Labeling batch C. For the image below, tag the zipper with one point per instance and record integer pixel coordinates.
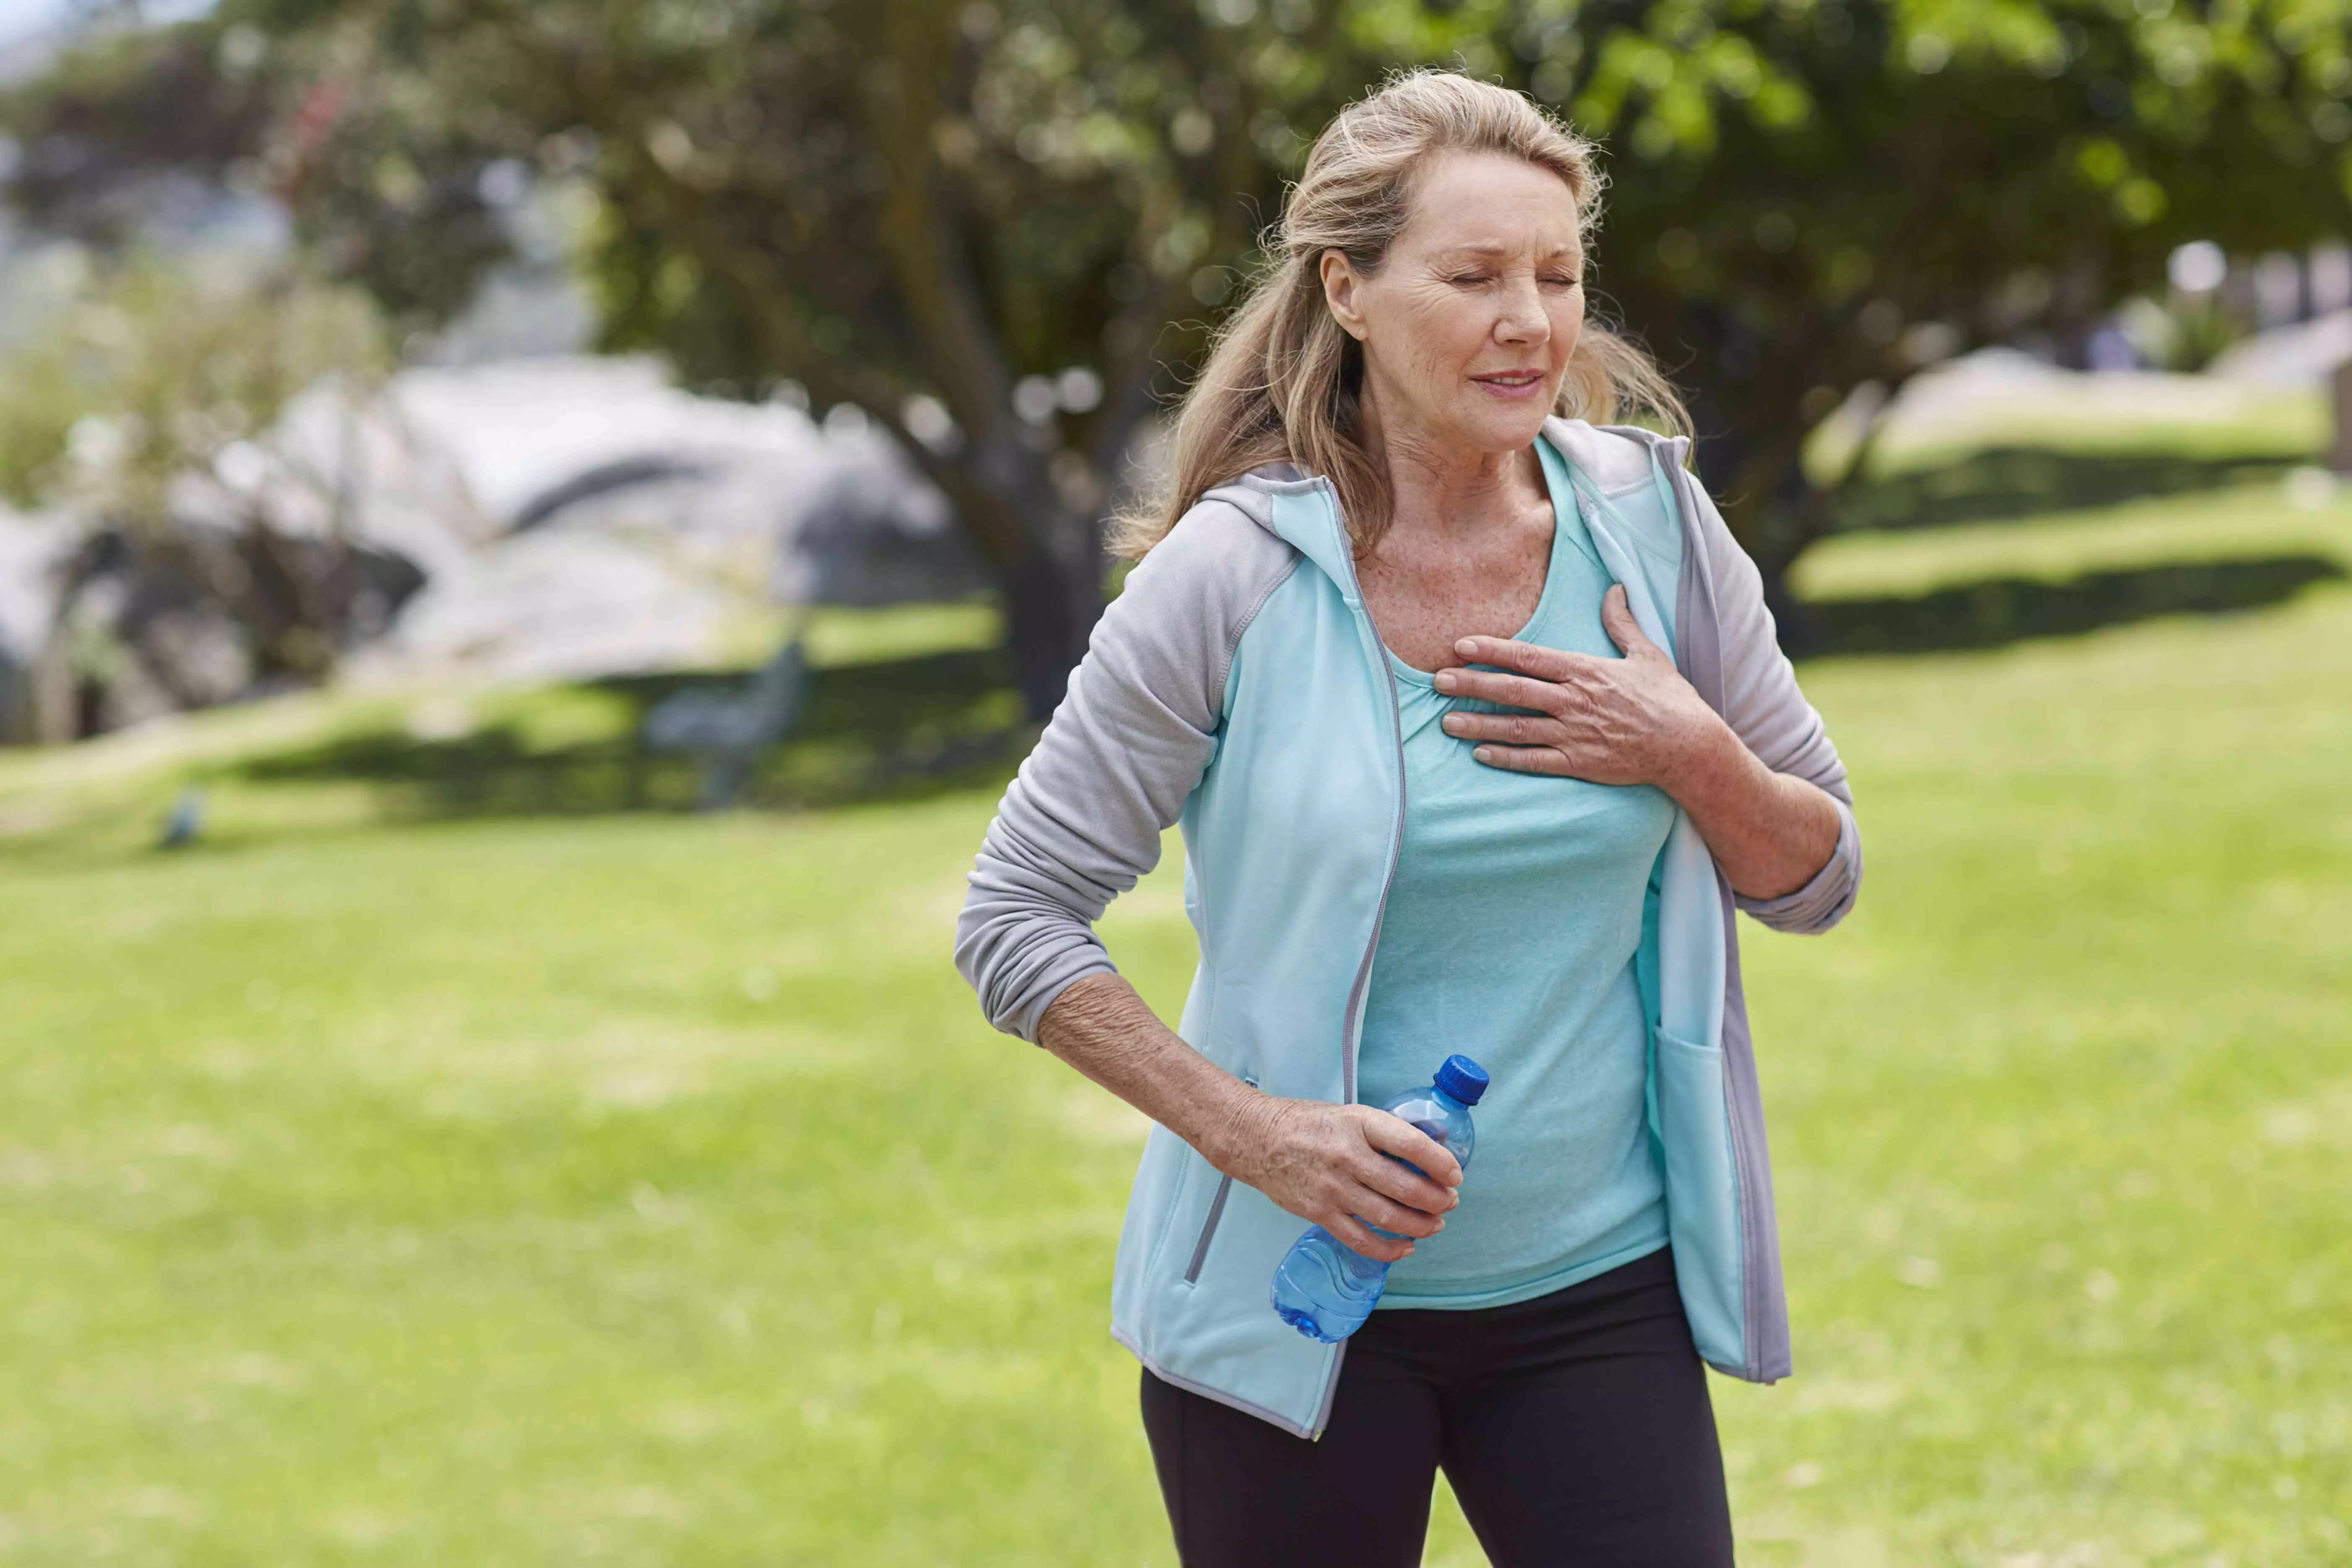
(1358, 994)
(1209, 1229)
(1216, 1215)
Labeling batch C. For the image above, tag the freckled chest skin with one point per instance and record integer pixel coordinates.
(1424, 589)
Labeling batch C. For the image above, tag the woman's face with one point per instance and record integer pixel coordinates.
(1468, 324)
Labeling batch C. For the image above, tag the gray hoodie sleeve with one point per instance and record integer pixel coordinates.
(1082, 820)
(1765, 708)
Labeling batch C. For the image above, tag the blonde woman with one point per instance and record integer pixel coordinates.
(1471, 711)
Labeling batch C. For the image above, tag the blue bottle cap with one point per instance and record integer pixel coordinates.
(1463, 1079)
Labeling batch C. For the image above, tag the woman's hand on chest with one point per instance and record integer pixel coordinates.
(1630, 720)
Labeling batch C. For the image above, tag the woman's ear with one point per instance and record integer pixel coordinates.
(1340, 284)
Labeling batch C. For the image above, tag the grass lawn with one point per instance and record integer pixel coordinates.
(535, 1187)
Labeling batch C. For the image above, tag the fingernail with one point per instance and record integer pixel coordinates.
(1483, 754)
(1465, 645)
(1444, 681)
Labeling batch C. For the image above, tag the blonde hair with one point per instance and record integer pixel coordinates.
(1283, 380)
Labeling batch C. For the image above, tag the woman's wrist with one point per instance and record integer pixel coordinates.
(1707, 760)
(1770, 833)
(1231, 1131)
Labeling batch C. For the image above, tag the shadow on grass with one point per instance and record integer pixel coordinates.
(891, 731)
(2009, 482)
(905, 729)
(2002, 610)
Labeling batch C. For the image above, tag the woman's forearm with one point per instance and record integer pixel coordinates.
(1770, 832)
(1101, 1027)
(1345, 1167)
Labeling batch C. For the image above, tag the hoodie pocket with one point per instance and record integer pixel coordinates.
(1216, 1213)
(1703, 1209)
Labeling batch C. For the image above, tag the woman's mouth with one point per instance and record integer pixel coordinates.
(1510, 382)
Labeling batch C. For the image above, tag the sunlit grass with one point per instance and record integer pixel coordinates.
(844, 636)
(2302, 510)
(645, 1188)
(2194, 418)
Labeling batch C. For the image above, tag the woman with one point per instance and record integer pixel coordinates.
(1473, 717)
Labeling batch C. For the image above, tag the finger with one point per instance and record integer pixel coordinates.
(1388, 1180)
(1531, 658)
(1353, 1234)
(1392, 1134)
(1617, 619)
(1512, 728)
(1376, 1207)
(1548, 760)
(1508, 691)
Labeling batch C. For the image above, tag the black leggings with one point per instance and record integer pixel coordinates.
(1575, 1428)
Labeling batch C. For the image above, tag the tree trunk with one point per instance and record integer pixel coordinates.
(1048, 566)
(1775, 513)
(1049, 609)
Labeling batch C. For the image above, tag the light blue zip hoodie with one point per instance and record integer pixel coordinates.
(1237, 685)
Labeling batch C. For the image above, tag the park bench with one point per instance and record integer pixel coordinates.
(727, 731)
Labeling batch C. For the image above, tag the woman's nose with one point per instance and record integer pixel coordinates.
(1523, 319)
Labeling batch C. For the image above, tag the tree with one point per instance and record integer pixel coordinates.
(994, 224)
(1809, 195)
(991, 226)
(147, 412)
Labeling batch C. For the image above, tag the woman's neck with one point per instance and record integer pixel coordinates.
(1442, 489)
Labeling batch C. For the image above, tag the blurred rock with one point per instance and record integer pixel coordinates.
(202, 652)
(2304, 355)
(831, 513)
(32, 551)
(633, 525)
(554, 519)
(553, 606)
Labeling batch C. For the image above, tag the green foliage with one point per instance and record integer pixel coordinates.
(917, 200)
(1813, 194)
(154, 375)
(109, 117)
(1807, 194)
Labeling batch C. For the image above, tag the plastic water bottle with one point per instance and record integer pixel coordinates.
(1324, 1288)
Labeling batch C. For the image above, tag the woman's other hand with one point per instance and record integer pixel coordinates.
(1630, 720)
(1327, 1163)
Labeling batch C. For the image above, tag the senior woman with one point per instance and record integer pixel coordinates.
(1472, 713)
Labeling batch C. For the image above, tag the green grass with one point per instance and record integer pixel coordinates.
(548, 1187)
(2252, 520)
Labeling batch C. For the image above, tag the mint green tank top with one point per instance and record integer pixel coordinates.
(1510, 935)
